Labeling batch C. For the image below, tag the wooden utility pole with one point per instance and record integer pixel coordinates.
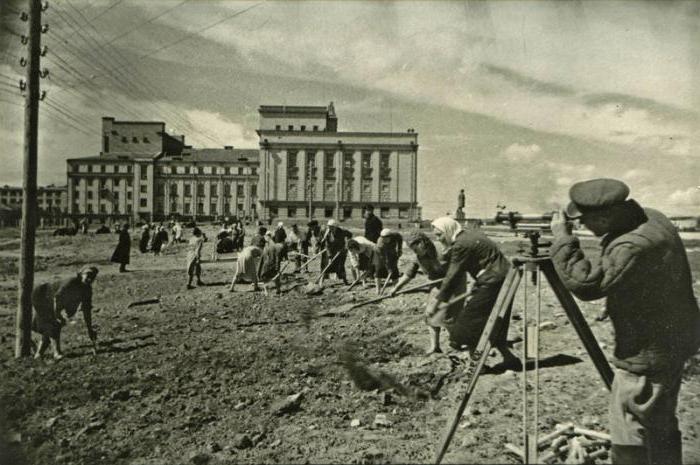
(23, 328)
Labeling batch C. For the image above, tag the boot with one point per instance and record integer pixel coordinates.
(629, 455)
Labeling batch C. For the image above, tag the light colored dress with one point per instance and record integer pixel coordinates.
(194, 255)
(247, 264)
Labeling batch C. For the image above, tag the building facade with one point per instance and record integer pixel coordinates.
(145, 174)
(51, 200)
(310, 169)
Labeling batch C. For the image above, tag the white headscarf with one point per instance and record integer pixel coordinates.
(448, 227)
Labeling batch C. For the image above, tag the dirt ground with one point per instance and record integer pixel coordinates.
(204, 375)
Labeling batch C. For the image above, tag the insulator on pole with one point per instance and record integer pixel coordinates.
(24, 39)
(45, 28)
(22, 84)
(44, 73)
(44, 51)
(24, 16)
(22, 62)
(43, 95)
(44, 6)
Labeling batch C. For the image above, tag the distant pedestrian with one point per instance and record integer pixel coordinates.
(123, 249)
(373, 225)
(145, 239)
(177, 232)
(280, 235)
(194, 258)
(159, 238)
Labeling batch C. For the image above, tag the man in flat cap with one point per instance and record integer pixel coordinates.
(645, 275)
(52, 300)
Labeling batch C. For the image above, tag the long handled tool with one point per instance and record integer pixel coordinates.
(383, 297)
(359, 278)
(312, 259)
(323, 272)
(386, 281)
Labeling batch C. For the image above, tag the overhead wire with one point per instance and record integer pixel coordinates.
(73, 23)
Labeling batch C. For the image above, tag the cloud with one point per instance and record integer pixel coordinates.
(689, 197)
(528, 83)
(519, 153)
(656, 110)
(221, 128)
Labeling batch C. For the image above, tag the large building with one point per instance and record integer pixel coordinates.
(51, 200)
(143, 174)
(305, 162)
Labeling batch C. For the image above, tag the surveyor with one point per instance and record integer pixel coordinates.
(473, 253)
(645, 275)
(55, 302)
(428, 260)
(373, 225)
(390, 245)
(123, 249)
(333, 241)
(366, 261)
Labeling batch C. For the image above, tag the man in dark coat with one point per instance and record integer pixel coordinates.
(333, 240)
(373, 225)
(280, 235)
(645, 275)
(145, 239)
(50, 300)
(123, 249)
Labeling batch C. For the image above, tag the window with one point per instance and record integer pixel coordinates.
(143, 189)
(227, 189)
(103, 183)
(328, 212)
(240, 209)
(187, 209)
(403, 213)
(128, 196)
(89, 168)
(315, 127)
(105, 144)
(173, 190)
(124, 139)
(347, 212)
(200, 189)
(227, 208)
(89, 195)
(254, 190)
(329, 169)
(144, 173)
(102, 168)
(89, 208)
(160, 189)
(173, 207)
(214, 190)
(253, 170)
(129, 182)
(290, 127)
(213, 208)
(273, 211)
(384, 169)
(227, 170)
(187, 170)
(302, 128)
(188, 190)
(103, 208)
(200, 170)
(143, 202)
(116, 196)
(292, 211)
(384, 212)
(239, 190)
(200, 208)
(135, 140)
(145, 140)
(278, 127)
(313, 212)
(292, 168)
(241, 171)
(128, 169)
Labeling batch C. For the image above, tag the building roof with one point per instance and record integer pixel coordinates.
(293, 109)
(219, 155)
(116, 156)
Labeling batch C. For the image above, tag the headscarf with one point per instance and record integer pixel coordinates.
(332, 223)
(385, 232)
(89, 269)
(280, 225)
(448, 227)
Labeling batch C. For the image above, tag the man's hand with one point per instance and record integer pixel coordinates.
(559, 225)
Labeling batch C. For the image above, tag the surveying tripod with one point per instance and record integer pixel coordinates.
(538, 264)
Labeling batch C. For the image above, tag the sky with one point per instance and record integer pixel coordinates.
(512, 101)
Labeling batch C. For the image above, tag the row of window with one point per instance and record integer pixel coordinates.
(227, 170)
(290, 127)
(348, 165)
(213, 190)
(329, 212)
(19, 194)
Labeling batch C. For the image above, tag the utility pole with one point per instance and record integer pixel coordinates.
(23, 330)
(310, 181)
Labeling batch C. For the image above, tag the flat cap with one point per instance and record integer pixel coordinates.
(595, 194)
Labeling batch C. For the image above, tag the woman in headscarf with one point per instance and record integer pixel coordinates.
(54, 302)
(470, 251)
(366, 260)
(247, 267)
(123, 249)
(270, 265)
(428, 260)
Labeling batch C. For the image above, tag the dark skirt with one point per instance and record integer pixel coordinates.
(121, 253)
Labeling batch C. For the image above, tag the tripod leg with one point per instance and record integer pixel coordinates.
(573, 312)
(481, 353)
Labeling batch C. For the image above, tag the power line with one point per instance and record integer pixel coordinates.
(206, 28)
(11, 102)
(105, 11)
(148, 21)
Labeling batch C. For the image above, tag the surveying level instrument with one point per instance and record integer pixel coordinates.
(538, 263)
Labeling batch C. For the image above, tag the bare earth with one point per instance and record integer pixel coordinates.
(202, 376)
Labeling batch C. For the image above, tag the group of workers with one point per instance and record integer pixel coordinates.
(644, 273)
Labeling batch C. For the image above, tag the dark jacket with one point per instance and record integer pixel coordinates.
(334, 242)
(373, 226)
(474, 253)
(644, 273)
(143, 242)
(279, 236)
(123, 249)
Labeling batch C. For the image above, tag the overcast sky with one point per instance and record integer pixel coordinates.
(512, 101)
